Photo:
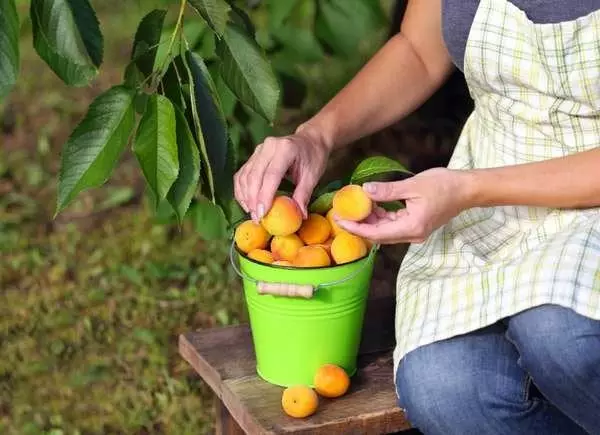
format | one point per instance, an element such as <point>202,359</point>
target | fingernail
<point>261,211</point>
<point>253,216</point>
<point>369,187</point>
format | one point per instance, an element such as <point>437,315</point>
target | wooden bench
<point>224,358</point>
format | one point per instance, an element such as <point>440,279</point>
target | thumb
<point>389,191</point>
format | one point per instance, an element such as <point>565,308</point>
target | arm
<point>435,196</point>
<point>565,182</point>
<point>406,71</point>
<point>398,79</point>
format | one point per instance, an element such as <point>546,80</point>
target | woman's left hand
<point>432,198</point>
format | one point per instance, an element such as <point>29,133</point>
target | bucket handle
<point>292,290</point>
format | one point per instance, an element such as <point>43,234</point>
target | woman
<point>498,298</point>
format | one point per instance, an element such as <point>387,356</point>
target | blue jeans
<point>537,372</point>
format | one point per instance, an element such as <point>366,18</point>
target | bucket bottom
<point>279,383</point>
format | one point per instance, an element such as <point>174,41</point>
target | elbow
<point>435,63</point>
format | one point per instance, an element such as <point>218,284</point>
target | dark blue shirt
<point>458,15</point>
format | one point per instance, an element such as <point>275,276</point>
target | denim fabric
<point>537,372</point>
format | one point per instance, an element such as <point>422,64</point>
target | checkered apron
<point>537,94</point>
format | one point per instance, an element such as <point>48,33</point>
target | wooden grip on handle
<point>283,289</point>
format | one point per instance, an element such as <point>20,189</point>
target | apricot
<point>283,218</point>
<point>286,247</point>
<point>347,247</point>
<point>312,256</point>
<point>326,245</point>
<point>250,235</point>
<point>261,256</point>
<point>352,203</point>
<point>335,228</point>
<point>331,381</point>
<point>299,401</point>
<point>315,229</point>
<point>281,263</point>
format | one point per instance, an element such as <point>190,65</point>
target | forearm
<point>390,86</point>
<point>566,182</point>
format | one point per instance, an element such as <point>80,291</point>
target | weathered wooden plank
<point>368,408</point>
<point>224,358</point>
<point>226,424</point>
<point>220,353</point>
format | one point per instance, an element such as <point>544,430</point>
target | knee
<point>431,392</point>
<point>555,342</point>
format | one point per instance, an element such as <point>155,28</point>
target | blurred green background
<point>91,302</point>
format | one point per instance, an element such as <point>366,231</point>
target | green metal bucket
<point>302,318</point>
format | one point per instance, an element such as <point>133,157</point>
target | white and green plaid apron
<point>537,94</point>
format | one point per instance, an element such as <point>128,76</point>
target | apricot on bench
<point>299,401</point>
<point>315,229</point>
<point>283,218</point>
<point>250,236</point>
<point>331,381</point>
<point>352,203</point>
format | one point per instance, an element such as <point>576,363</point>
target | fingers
<point>271,180</point>
<point>399,228</point>
<point>303,192</point>
<point>257,181</point>
<point>389,191</point>
<point>238,190</point>
<point>253,178</point>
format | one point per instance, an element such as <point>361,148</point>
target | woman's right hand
<point>303,155</point>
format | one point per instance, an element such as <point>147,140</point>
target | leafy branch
<point>176,105</point>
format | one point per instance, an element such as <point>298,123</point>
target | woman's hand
<point>303,155</point>
<point>432,198</point>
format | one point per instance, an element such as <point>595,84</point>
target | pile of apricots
<point>283,238</point>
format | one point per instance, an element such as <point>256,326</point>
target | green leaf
<point>215,12</point>
<point>172,83</point>
<point>92,151</point>
<point>116,196</point>
<point>259,129</point>
<point>345,24</point>
<point>242,20</point>
<point>224,194</point>
<point>194,116</point>
<point>226,97</point>
<point>183,189</point>
<point>147,38</point>
<point>212,119</point>
<point>155,145</point>
<point>322,204</point>
<point>330,187</point>
<point>301,42</point>
<point>208,220</point>
<point>66,35</point>
<point>9,46</point>
<point>392,205</point>
<point>247,73</point>
<point>370,168</point>
<point>279,11</point>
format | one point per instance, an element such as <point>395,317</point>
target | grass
<point>91,303</point>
